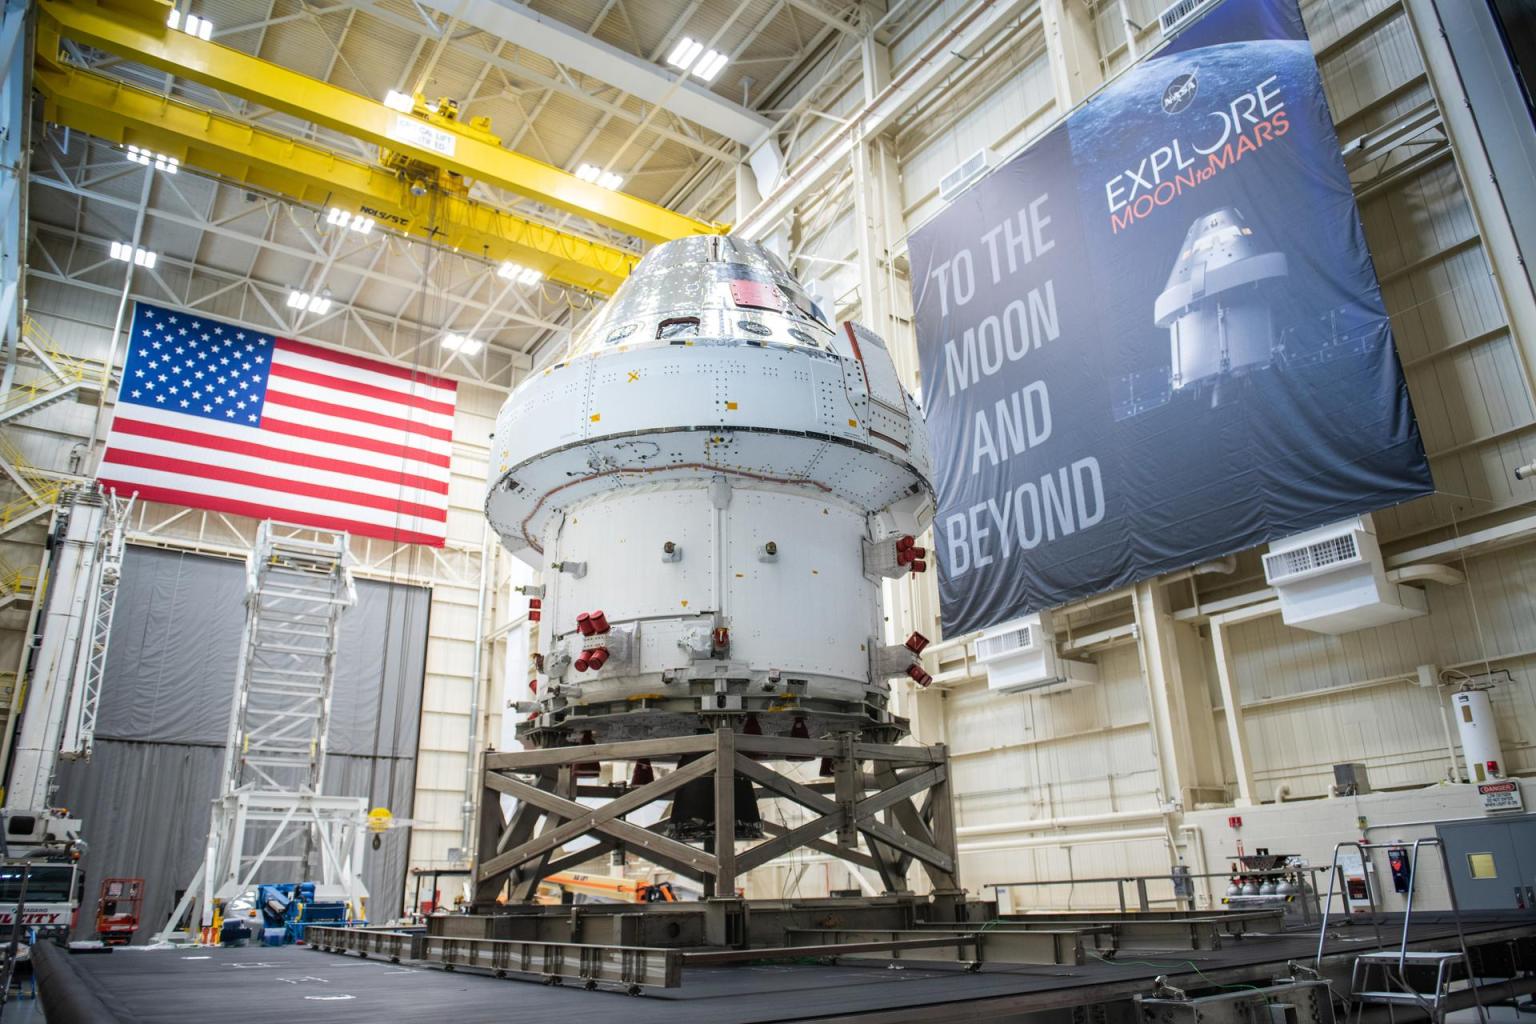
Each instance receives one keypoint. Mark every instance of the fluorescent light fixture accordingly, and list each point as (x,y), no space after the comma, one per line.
(355,221)
(685,53)
(317,304)
(517,272)
(597,176)
(462,345)
(689,55)
(145,258)
(401,101)
(709,65)
(159,161)
(202,28)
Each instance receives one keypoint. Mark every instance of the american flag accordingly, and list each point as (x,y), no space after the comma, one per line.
(225,418)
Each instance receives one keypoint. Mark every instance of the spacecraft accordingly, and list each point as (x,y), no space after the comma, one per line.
(715,483)
(1216,305)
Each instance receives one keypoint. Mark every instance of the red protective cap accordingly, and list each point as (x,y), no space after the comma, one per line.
(535,602)
(904,557)
(919,677)
(597,658)
(919,552)
(916,642)
(906,542)
(584,623)
(599,621)
(581,663)
(535,615)
(918,565)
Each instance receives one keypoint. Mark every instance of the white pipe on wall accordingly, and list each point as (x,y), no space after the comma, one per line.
(1076,821)
(1070,839)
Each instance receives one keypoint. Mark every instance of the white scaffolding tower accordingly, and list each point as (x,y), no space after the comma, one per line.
(271,821)
(73,626)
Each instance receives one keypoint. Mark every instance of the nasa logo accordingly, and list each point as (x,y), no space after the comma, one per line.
(1180,93)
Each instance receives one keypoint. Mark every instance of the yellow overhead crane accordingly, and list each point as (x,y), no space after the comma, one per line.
(427,155)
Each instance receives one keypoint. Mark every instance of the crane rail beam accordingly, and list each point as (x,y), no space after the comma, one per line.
(128,115)
(144,40)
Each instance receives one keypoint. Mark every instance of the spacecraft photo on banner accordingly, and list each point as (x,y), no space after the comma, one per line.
(1155,336)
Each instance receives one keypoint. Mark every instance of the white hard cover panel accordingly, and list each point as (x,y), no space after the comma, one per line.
(620,538)
(879,370)
(810,610)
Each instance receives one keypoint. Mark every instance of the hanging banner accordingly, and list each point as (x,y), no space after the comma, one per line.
(1155,337)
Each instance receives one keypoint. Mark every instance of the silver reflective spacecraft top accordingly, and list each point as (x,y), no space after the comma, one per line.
(707,288)
(1219,253)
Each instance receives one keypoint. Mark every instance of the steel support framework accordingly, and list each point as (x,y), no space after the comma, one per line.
(250,78)
(271,809)
(307,173)
(896,798)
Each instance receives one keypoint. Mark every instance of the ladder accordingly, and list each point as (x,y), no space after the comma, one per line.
(272,813)
(1379,977)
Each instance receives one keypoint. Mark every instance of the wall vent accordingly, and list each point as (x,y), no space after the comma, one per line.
(1020,657)
(960,179)
(1328,553)
(1332,580)
(1176,15)
(999,645)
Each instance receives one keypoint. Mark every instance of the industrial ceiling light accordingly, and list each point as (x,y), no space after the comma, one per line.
(709,65)
(145,258)
(317,304)
(685,53)
(159,161)
(192,25)
(597,176)
(517,272)
(689,55)
(401,101)
(462,345)
(354,221)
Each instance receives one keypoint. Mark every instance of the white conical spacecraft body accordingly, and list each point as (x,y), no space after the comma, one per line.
(714,482)
(1218,303)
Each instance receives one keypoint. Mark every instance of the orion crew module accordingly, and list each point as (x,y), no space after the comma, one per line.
(715,482)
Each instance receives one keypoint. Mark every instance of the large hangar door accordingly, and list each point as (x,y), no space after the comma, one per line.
(145,796)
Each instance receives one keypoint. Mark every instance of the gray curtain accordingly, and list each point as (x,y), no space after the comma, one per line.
(146,794)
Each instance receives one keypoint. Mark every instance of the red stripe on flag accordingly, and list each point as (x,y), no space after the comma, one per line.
(261,451)
(188,468)
(234,507)
(362,363)
(357,387)
(367,444)
(377,419)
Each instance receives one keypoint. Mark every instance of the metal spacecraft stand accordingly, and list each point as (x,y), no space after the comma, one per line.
(900,805)
(297,585)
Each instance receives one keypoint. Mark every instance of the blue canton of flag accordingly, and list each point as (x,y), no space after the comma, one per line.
(196,367)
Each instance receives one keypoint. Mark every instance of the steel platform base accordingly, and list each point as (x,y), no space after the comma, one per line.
(902,986)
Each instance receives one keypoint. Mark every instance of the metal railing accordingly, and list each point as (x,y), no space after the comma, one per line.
(1307,898)
(1413,885)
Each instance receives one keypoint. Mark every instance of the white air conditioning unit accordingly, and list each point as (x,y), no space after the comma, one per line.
(960,179)
(1332,580)
(1176,15)
(1020,657)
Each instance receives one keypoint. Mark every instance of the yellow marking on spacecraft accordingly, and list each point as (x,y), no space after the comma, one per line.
(685,602)
(853,423)
(634,375)
(730,405)
(596,416)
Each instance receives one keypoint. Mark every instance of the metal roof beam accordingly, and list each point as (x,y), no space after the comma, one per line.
(240,74)
(261,243)
(559,42)
(121,113)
